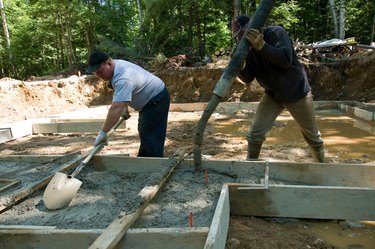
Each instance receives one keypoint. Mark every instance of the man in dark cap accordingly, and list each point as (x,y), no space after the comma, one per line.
(135,87)
(272,61)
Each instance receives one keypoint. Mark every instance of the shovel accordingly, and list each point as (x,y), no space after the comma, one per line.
(62,188)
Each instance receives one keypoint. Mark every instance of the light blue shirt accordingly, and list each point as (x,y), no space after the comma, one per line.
(133,84)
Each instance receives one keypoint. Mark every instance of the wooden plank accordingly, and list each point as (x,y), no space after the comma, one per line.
(161,238)
(348,175)
(8,183)
(5,135)
(33,237)
(316,202)
(356,175)
(67,127)
(29,158)
(151,238)
(45,163)
(217,237)
(118,228)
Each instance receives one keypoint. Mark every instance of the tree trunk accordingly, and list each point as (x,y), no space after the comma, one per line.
(230,73)
(5,29)
(139,11)
(65,19)
(373,31)
(342,20)
(236,8)
(334,17)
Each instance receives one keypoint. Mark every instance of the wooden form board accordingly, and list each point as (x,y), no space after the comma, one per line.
(301,201)
(5,135)
(150,238)
(67,127)
(227,106)
(356,175)
(217,237)
(336,199)
(157,238)
(358,110)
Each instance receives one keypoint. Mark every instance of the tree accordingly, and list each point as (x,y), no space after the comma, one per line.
(338,20)
(6,33)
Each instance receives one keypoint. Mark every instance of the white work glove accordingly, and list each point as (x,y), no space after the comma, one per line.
(101,137)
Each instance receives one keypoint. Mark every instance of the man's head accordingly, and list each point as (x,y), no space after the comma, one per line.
(101,64)
(239,25)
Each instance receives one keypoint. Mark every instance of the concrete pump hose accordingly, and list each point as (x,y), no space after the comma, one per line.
(224,85)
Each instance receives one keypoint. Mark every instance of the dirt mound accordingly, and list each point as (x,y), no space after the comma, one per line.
(349,79)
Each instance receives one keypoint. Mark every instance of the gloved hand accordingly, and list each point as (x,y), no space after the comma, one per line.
(255,38)
(101,137)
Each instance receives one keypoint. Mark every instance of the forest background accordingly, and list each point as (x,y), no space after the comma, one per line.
(41,37)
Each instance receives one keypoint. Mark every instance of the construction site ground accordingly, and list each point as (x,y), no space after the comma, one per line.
(349,80)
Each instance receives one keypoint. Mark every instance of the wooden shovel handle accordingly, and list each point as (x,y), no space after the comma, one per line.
(97,148)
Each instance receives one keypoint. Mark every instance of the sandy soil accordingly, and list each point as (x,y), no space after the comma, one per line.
(26,100)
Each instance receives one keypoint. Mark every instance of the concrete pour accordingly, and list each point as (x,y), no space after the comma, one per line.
(105,195)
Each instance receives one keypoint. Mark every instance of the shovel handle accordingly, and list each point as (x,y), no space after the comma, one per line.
(97,147)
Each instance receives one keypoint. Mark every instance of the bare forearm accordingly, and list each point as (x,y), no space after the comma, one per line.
(113,115)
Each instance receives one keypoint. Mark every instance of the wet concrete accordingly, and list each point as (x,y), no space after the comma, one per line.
(345,137)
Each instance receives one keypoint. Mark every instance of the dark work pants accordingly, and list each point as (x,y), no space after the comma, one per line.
(152,125)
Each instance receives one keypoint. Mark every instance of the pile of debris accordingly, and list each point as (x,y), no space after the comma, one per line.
(330,50)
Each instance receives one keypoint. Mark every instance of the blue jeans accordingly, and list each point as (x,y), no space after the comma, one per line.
(152,125)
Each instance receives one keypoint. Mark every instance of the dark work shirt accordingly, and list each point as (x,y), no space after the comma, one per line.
(276,67)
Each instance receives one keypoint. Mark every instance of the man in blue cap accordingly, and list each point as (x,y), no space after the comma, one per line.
(273,62)
(135,87)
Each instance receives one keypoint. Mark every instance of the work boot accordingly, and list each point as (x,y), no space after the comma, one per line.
(318,154)
(253,151)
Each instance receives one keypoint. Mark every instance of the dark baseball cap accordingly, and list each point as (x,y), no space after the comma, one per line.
(96,58)
(238,24)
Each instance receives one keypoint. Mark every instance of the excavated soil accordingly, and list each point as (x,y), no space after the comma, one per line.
(352,79)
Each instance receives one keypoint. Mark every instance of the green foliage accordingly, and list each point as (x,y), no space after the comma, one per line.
(285,14)
(359,20)
(50,36)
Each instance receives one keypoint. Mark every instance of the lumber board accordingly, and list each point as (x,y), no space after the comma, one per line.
(161,238)
(5,135)
(8,183)
(302,201)
(29,158)
(46,238)
(45,162)
(27,237)
(118,228)
(67,127)
(217,237)
(356,175)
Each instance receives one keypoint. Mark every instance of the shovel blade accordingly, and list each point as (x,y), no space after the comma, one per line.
(60,191)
